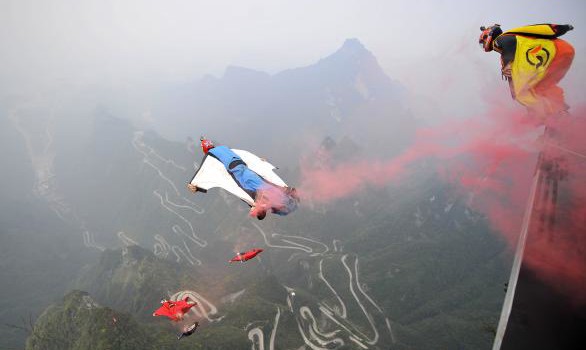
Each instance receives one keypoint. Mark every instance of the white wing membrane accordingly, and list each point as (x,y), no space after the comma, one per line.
(212,173)
(261,167)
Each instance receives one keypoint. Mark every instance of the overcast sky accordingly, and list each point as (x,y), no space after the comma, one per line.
(428,45)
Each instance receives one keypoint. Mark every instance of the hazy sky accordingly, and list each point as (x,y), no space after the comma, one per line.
(428,45)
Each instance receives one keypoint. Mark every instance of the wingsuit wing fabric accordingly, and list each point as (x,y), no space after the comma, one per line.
(540,61)
(545,31)
(246,255)
(164,311)
(530,65)
(538,66)
(174,310)
(261,167)
(212,173)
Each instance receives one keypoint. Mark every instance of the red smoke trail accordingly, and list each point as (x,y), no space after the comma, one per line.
(493,157)
(486,140)
(559,256)
(345,179)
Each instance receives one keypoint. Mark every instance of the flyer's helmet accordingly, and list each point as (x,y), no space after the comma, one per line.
(206,144)
(488,35)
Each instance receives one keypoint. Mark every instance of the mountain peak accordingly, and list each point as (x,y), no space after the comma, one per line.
(351,52)
(353,44)
(354,48)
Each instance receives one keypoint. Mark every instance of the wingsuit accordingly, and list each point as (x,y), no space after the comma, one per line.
(267,196)
(189,330)
(245,256)
(174,310)
(533,60)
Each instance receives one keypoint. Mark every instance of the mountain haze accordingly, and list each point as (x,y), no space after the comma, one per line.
(344,94)
(404,266)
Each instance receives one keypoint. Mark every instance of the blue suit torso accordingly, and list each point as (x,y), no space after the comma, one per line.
(246,178)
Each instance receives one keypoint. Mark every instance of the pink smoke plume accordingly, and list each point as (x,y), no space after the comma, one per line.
(493,157)
(501,136)
(559,255)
